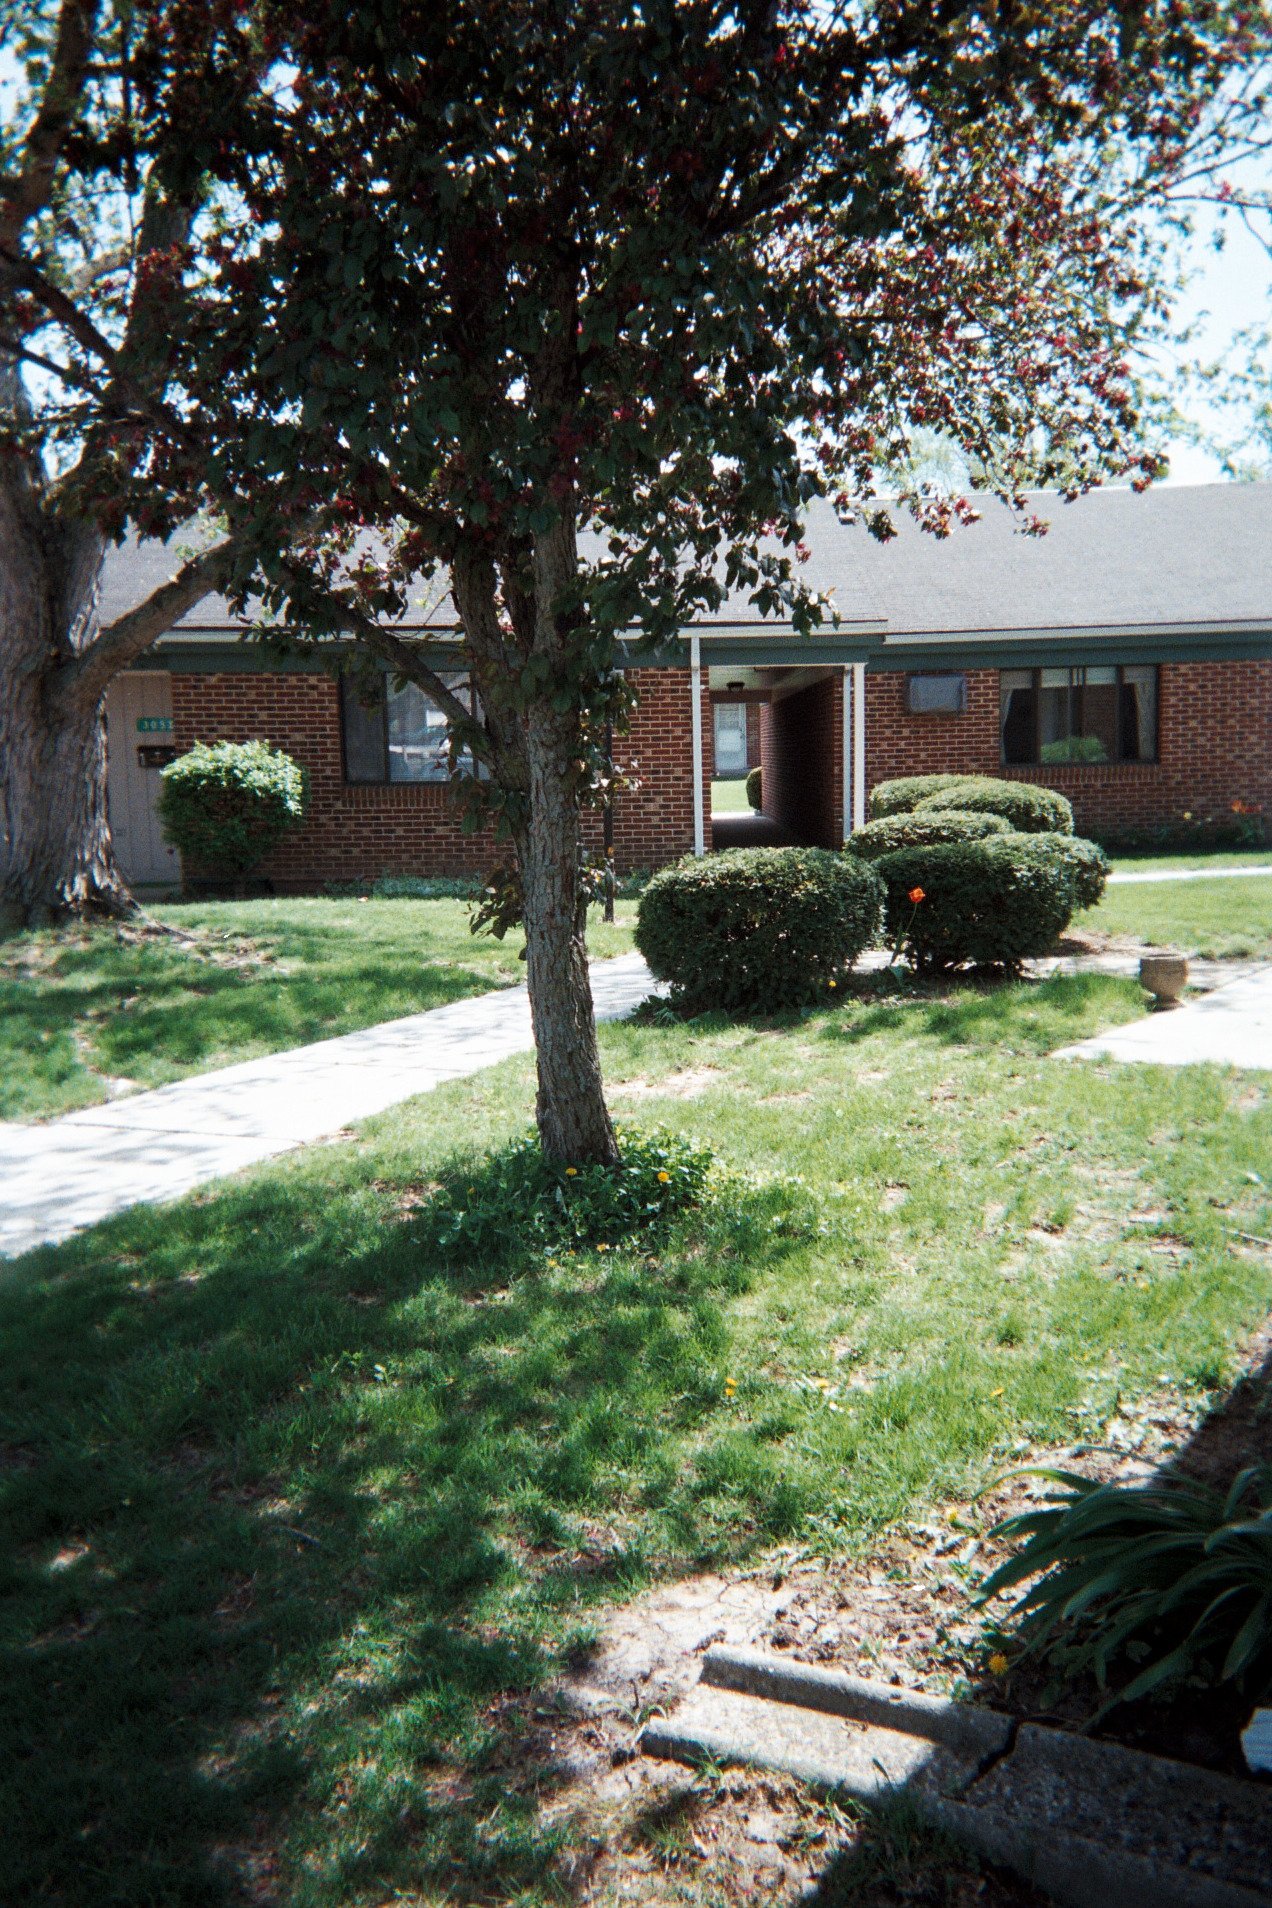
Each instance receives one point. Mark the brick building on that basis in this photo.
(1125, 658)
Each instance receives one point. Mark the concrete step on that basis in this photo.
(1089, 1822)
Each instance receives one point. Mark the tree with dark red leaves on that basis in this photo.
(580, 304)
(572, 306)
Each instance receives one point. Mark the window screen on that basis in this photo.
(1097, 714)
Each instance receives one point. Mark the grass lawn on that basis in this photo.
(82, 1008)
(1213, 918)
(729, 798)
(301, 1516)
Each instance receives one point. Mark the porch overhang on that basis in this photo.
(777, 646)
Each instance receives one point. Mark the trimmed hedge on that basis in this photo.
(224, 805)
(758, 930)
(921, 829)
(755, 787)
(992, 903)
(1087, 862)
(1030, 809)
(907, 791)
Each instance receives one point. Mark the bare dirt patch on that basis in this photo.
(687, 1084)
(657, 1833)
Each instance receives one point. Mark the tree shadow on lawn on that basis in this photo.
(1010, 1016)
(293, 1516)
(155, 1011)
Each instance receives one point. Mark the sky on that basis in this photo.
(1228, 290)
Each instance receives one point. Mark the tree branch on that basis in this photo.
(32, 189)
(131, 634)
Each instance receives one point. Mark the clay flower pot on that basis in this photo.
(1165, 976)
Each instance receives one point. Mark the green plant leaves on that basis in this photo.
(1171, 1571)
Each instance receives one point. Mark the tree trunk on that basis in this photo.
(574, 1123)
(55, 849)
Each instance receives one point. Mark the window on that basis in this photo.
(1105, 714)
(397, 736)
(936, 695)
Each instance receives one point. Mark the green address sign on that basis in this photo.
(154, 725)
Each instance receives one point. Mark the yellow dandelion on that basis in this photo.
(664, 1178)
(998, 1391)
(832, 983)
(998, 1664)
(602, 1248)
(571, 1172)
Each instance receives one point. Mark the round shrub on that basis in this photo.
(1087, 862)
(1030, 810)
(992, 903)
(907, 791)
(226, 804)
(921, 829)
(757, 930)
(755, 787)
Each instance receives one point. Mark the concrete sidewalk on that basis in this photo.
(71, 1172)
(1188, 874)
(1231, 1027)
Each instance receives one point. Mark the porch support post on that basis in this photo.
(845, 793)
(858, 745)
(695, 676)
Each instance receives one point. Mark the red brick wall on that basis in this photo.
(802, 750)
(1215, 723)
(360, 833)
(1214, 747)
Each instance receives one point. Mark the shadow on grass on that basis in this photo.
(1014, 1016)
(898, 1860)
(152, 1009)
(292, 1513)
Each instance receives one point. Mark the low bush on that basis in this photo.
(991, 903)
(519, 1200)
(1086, 860)
(755, 787)
(1030, 810)
(224, 805)
(405, 887)
(907, 791)
(919, 829)
(758, 930)
(1166, 1580)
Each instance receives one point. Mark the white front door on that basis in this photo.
(730, 738)
(138, 742)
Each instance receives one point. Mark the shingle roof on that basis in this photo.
(1175, 554)
(1187, 554)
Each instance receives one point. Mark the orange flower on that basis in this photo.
(917, 895)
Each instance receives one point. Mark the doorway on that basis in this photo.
(138, 743)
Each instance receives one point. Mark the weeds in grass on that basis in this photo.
(516, 1201)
